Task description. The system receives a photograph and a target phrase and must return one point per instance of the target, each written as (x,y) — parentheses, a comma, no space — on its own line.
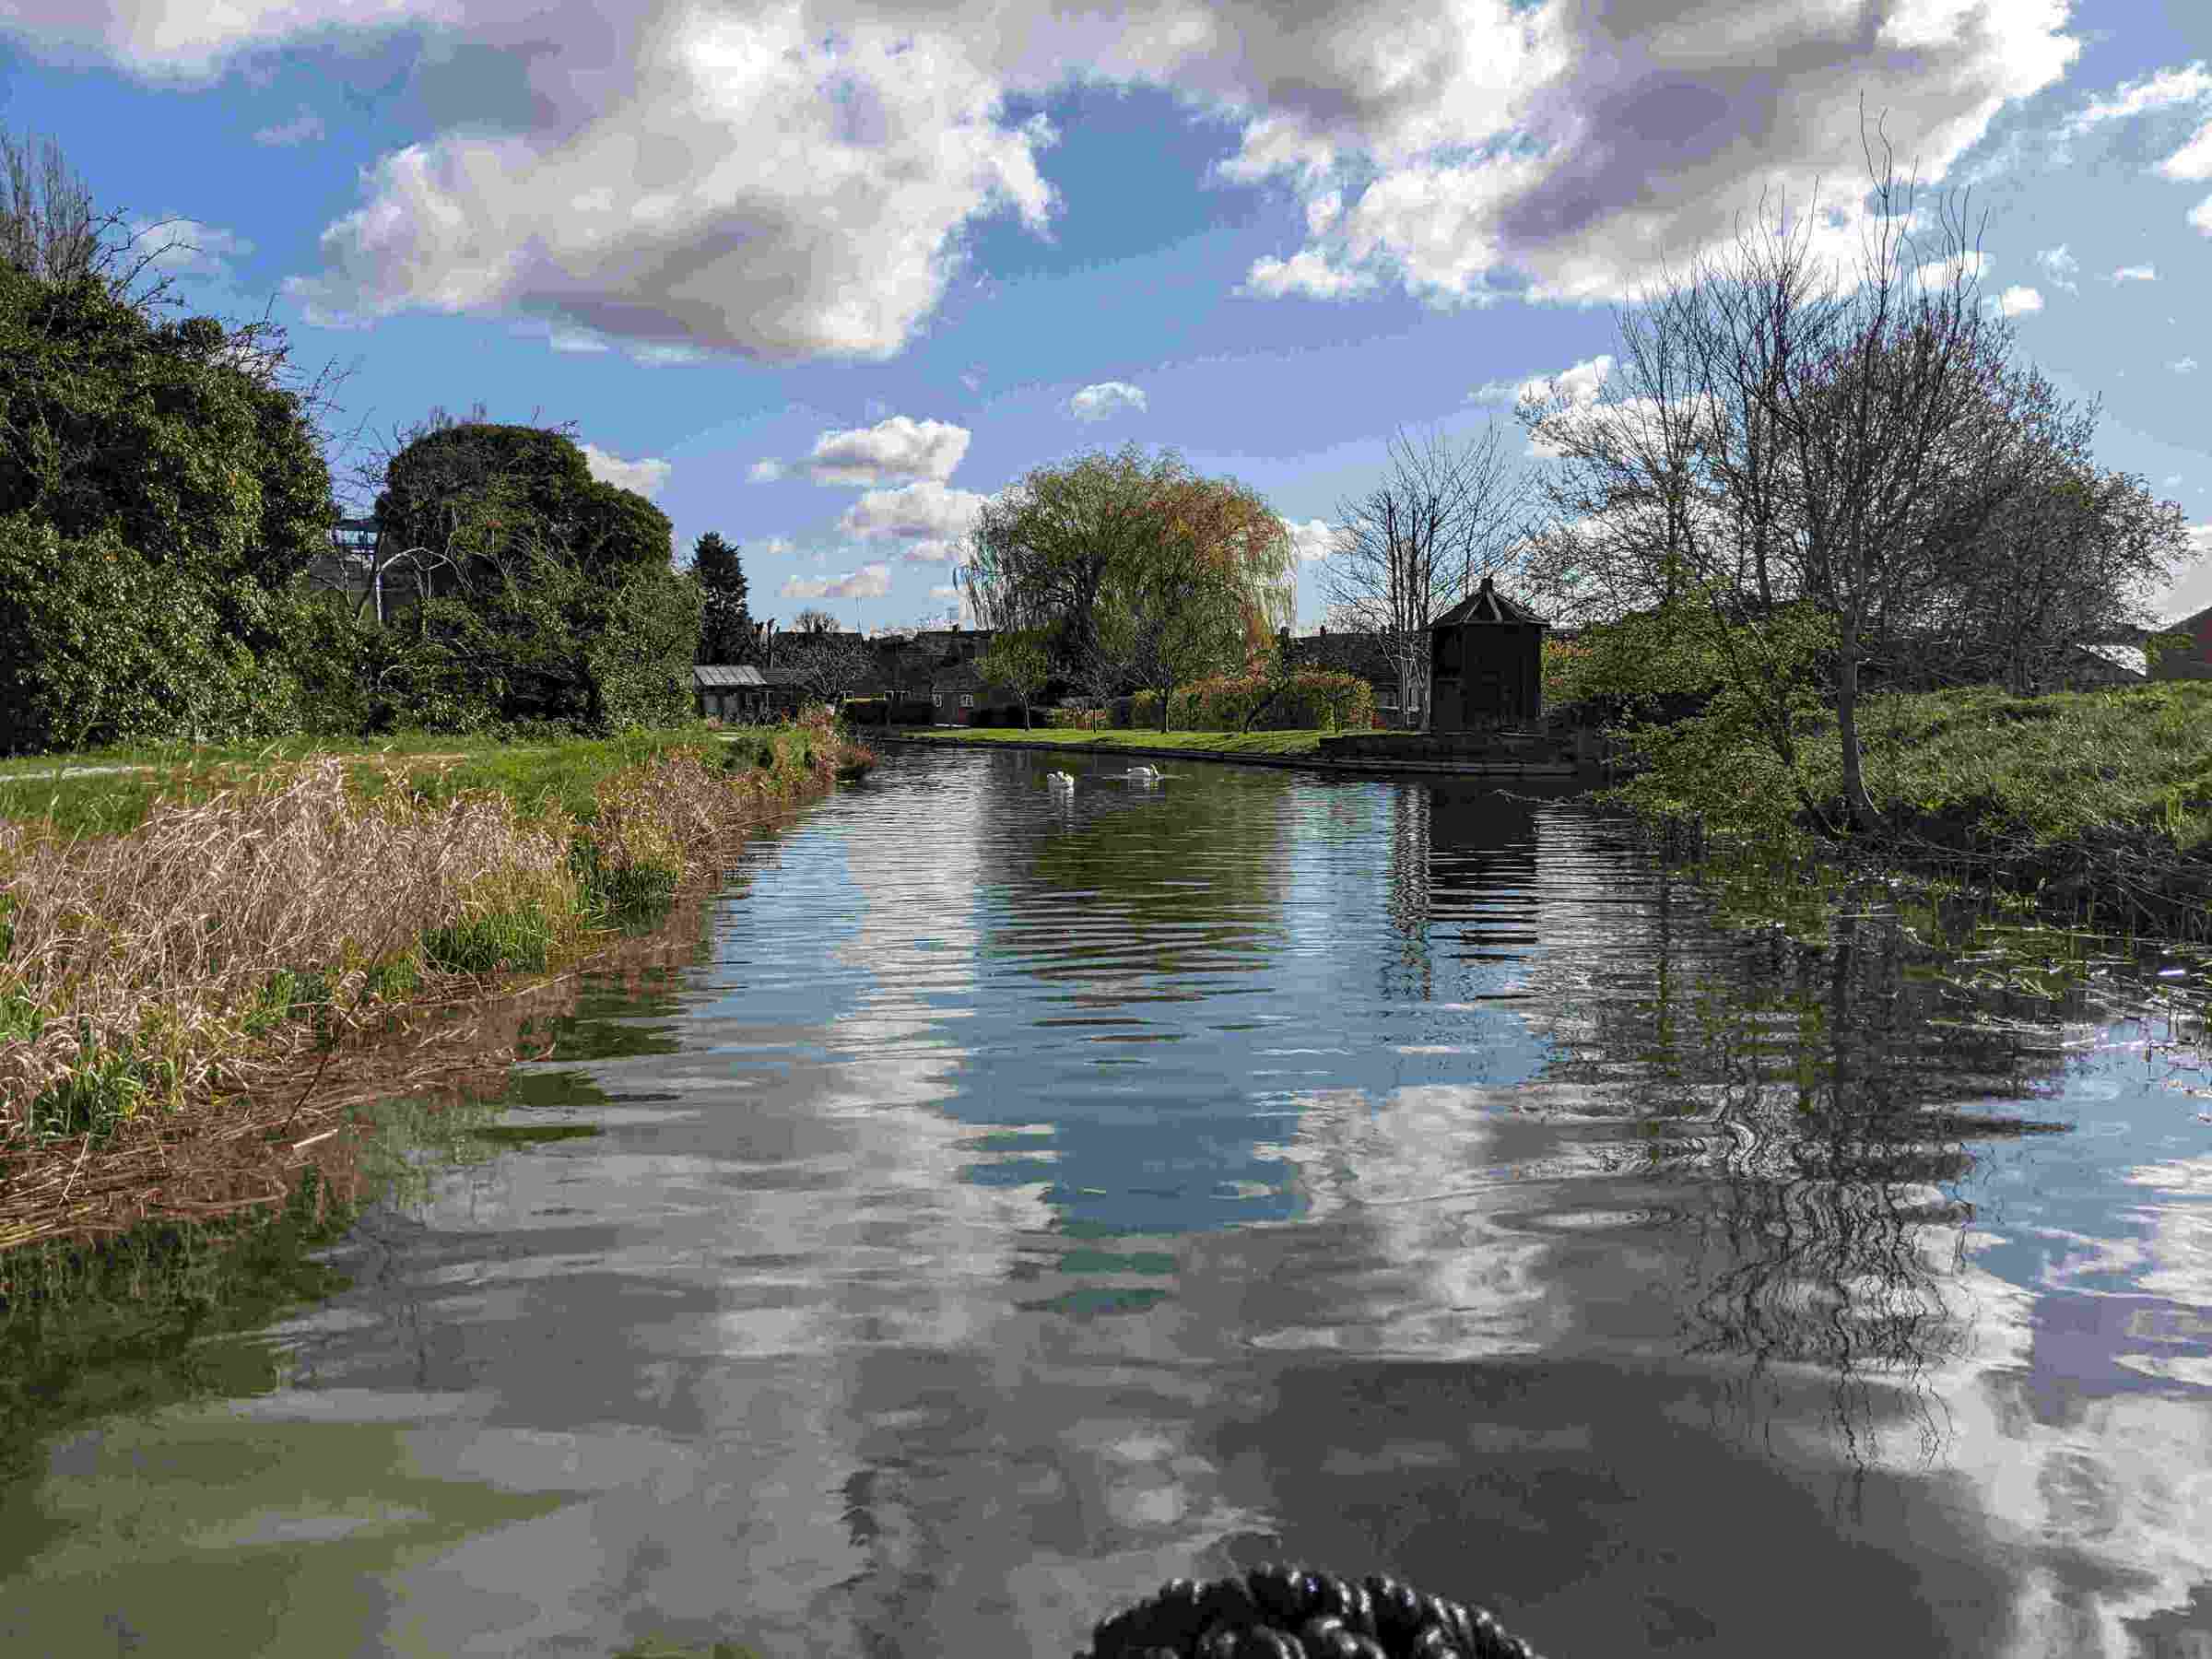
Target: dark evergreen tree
(725,624)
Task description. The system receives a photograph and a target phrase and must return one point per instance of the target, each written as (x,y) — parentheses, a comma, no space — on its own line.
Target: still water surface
(1027,1199)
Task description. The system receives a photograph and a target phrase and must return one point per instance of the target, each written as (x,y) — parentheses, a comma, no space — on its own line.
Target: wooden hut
(1486,664)
(729,691)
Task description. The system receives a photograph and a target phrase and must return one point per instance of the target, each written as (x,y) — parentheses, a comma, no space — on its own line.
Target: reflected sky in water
(1028,1197)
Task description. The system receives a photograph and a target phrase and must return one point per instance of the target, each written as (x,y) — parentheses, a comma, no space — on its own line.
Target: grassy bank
(2096,803)
(194,955)
(1219,743)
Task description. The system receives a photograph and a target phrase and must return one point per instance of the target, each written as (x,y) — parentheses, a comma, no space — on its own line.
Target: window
(966,700)
(937,700)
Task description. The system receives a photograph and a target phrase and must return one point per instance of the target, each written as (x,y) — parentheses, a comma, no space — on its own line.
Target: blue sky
(823,277)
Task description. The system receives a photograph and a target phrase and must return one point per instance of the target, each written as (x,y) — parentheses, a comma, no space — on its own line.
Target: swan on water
(1061,779)
(1145,775)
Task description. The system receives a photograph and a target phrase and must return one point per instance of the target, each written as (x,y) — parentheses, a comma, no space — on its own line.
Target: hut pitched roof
(727,673)
(1485,603)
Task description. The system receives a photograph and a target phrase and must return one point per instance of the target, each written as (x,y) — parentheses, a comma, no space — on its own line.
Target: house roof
(1485,603)
(727,673)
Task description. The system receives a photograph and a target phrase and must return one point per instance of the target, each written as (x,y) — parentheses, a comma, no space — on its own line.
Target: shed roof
(727,673)
(1485,603)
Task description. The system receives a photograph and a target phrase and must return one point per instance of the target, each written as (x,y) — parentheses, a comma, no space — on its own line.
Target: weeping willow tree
(1136,572)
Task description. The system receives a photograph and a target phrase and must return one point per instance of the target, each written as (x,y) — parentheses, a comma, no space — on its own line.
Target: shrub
(1311,699)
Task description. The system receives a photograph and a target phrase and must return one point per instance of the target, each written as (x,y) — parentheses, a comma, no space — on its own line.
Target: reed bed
(188,1008)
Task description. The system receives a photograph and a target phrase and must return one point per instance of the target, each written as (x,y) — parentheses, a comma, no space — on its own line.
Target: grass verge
(2096,803)
(1219,743)
(180,952)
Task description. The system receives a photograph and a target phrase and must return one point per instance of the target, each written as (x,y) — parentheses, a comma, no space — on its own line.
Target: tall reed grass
(175,981)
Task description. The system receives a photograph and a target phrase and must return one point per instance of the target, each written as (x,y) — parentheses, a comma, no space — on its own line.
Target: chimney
(1325,630)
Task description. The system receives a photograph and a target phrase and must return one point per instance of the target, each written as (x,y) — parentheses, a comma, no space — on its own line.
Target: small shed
(1486,664)
(729,691)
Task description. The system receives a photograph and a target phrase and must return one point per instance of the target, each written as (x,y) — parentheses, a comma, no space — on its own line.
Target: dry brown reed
(188,1011)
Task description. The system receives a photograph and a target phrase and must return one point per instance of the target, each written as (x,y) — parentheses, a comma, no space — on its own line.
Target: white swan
(1145,775)
(1061,779)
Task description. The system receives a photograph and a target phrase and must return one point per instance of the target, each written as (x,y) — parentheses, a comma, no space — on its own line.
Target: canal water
(1029,1196)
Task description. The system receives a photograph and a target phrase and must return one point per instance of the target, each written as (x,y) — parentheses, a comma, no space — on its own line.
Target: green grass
(2046,770)
(1219,743)
(536,775)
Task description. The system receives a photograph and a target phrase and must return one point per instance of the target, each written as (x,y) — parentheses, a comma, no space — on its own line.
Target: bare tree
(1421,541)
(1780,440)
(814,621)
(830,663)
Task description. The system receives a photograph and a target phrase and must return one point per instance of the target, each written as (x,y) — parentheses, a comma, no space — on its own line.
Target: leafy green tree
(1019,662)
(1044,555)
(196,482)
(726,624)
(541,633)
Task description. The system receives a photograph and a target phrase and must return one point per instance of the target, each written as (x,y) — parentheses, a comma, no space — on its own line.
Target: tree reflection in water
(1821,1102)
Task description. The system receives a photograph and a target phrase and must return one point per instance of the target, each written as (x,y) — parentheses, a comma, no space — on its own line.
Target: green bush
(99,645)
(1311,699)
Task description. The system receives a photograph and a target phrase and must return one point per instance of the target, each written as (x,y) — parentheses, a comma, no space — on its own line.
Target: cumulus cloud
(2060,265)
(2136,273)
(931,550)
(2183,365)
(1580,384)
(303,128)
(1312,541)
(797,181)
(899,447)
(1307,271)
(925,510)
(184,247)
(1107,398)
(2015,302)
(870,581)
(644,476)
(765,472)
(2201,216)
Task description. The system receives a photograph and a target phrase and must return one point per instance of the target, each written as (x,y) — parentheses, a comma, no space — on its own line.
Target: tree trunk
(1167,695)
(1863,818)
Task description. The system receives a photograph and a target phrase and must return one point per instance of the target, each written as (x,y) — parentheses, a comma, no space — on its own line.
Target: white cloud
(1940,274)
(2193,162)
(776,547)
(1307,271)
(942,591)
(926,511)
(644,476)
(1580,384)
(2201,216)
(792,180)
(1107,398)
(2060,265)
(2171,480)
(184,247)
(1312,541)
(2014,301)
(931,550)
(570,339)
(2136,273)
(2163,90)
(765,472)
(870,581)
(899,447)
(973,378)
(2183,365)
(303,128)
